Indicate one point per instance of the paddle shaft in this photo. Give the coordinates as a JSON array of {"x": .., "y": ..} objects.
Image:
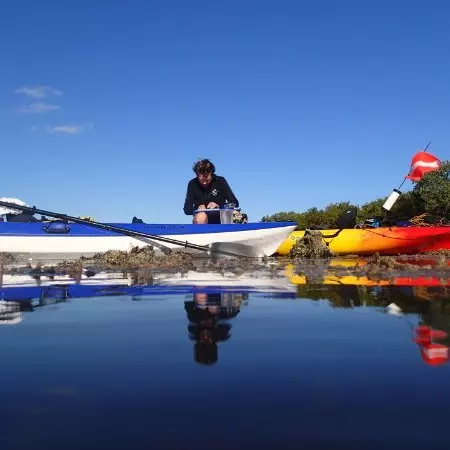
[{"x": 120, "y": 230}]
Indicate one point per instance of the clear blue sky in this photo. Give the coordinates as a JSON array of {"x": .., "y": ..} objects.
[{"x": 298, "y": 103}]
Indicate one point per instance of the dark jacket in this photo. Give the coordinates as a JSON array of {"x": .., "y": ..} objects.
[{"x": 218, "y": 192}]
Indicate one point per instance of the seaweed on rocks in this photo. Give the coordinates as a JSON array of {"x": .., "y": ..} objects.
[
  {"x": 443, "y": 253},
  {"x": 312, "y": 269},
  {"x": 74, "y": 269},
  {"x": 140, "y": 257},
  {"x": 310, "y": 246},
  {"x": 6, "y": 258},
  {"x": 141, "y": 277},
  {"x": 136, "y": 257}
]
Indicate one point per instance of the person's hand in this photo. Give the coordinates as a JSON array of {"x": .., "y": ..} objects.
[
  {"x": 202, "y": 207},
  {"x": 212, "y": 205}
]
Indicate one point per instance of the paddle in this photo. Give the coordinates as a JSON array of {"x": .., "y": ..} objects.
[{"x": 224, "y": 248}]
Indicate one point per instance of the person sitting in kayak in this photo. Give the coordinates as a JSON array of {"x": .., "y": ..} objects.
[{"x": 207, "y": 191}]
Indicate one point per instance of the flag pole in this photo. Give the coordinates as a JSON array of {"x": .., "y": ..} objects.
[{"x": 401, "y": 184}]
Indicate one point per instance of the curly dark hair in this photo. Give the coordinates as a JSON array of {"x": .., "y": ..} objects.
[{"x": 204, "y": 166}]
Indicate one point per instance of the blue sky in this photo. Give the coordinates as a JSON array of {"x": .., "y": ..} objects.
[{"x": 298, "y": 104}]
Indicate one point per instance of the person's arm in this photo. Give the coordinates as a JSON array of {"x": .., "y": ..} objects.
[
  {"x": 188, "y": 207},
  {"x": 229, "y": 195}
]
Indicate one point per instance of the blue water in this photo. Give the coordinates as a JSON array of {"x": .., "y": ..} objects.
[{"x": 233, "y": 369}]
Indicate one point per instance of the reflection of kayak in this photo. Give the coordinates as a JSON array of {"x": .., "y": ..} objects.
[
  {"x": 263, "y": 281},
  {"x": 10, "y": 313},
  {"x": 17, "y": 287},
  {"x": 385, "y": 241},
  {"x": 331, "y": 277}
]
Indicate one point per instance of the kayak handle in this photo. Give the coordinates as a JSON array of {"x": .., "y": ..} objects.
[{"x": 56, "y": 227}]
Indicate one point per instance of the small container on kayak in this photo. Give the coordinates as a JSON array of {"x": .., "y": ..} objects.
[
  {"x": 226, "y": 214},
  {"x": 389, "y": 203}
]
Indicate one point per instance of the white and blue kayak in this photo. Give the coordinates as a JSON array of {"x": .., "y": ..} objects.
[{"x": 67, "y": 240}]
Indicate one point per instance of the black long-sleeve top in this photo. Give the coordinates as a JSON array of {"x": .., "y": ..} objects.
[{"x": 218, "y": 192}]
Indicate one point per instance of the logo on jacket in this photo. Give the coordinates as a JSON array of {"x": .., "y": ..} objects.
[{"x": 214, "y": 192}]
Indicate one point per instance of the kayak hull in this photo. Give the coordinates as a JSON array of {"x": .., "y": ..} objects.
[
  {"x": 385, "y": 241},
  {"x": 56, "y": 240}
]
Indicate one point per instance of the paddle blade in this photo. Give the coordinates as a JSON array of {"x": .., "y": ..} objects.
[{"x": 234, "y": 249}]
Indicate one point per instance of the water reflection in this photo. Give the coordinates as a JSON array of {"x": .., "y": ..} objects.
[
  {"x": 428, "y": 306},
  {"x": 212, "y": 310},
  {"x": 209, "y": 316},
  {"x": 416, "y": 287},
  {"x": 10, "y": 312},
  {"x": 356, "y": 271},
  {"x": 303, "y": 367}
]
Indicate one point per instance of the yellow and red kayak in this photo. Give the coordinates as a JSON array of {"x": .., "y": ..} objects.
[{"x": 385, "y": 241}]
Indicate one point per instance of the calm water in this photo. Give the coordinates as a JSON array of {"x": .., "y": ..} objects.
[{"x": 192, "y": 367}]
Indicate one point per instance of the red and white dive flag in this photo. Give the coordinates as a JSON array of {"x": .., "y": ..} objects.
[{"x": 421, "y": 163}]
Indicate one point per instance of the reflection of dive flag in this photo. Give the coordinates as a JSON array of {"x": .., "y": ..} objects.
[
  {"x": 421, "y": 163},
  {"x": 434, "y": 354}
]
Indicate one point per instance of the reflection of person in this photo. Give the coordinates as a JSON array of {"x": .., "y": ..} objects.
[
  {"x": 208, "y": 325},
  {"x": 207, "y": 191}
]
